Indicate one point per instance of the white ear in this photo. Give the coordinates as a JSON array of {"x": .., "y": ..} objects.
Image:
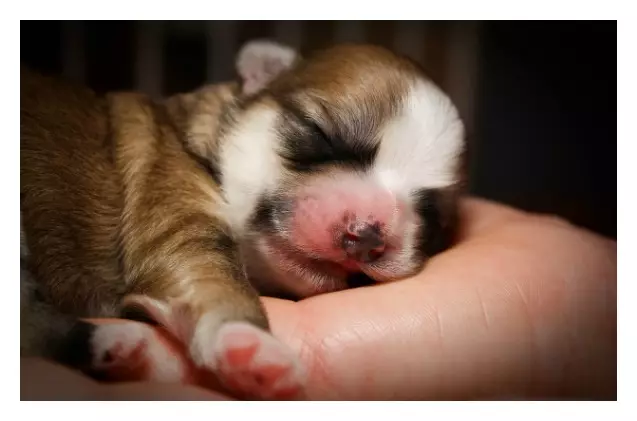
[{"x": 260, "y": 61}]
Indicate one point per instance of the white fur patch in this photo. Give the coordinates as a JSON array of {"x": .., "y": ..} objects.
[
  {"x": 249, "y": 164},
  {"x": 204, "y": 338},
  {"x": 420, "y": 147},
  {"x": 125, "y": 338}
]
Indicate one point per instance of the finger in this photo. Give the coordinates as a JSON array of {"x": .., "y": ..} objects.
[{"x": 496, "y": 316}]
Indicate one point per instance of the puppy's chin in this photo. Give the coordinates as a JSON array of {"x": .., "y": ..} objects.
[
  {"x": 277, "y": 268},
  {"x": 282, "y": 270}
]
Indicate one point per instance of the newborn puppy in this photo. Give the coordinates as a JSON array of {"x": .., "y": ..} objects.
[{"x": 304, "y": 173}]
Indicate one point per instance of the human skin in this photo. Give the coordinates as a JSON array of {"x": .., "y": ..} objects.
[{"x": 523, "y": 306}]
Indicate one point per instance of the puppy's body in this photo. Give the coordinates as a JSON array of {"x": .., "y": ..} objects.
[
  {"x": 302, "y": 174},
  {"x": 118, "y": 206}
]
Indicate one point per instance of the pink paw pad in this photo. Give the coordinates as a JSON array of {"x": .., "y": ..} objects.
[
  {"x": 120, "y": 344},
  {"x": 253, "y": 363},
  {"x": 133, "y": 351}
]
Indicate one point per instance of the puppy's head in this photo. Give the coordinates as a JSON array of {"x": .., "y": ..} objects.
[{"x": 347, "y": 161}]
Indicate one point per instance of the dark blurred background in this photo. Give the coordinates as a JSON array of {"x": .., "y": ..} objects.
[{"x": 538, "y": 98}]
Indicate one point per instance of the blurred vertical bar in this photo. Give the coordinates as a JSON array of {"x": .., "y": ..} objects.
[
  {"x": 349, "y": 31},
  {"x": 222, "y": 44},
  {"x": 462, "y": 68},
  {"x": 73, "y": 59},
  {"x": 317, "y": 34},
  {"x": 149, "y": 67},
  {"x": 289, "y": 32},
  {"x": 409, "y": 39}
]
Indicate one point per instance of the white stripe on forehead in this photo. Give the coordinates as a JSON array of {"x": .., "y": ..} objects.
[{"x": 420, "y": 147}]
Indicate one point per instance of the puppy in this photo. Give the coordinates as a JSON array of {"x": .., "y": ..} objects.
[{"x": 303, "y": 173}]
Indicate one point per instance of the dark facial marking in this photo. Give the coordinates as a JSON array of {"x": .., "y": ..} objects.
[
  {"x": 267, "y": 209},
  {"x": 308, "y": 147},
  {"x": 433, "y": 235}
]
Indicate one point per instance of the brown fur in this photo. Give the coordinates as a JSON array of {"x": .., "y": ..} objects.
[
  {"x": 197, "y": 116},
  {"x": 113, "y": 204}
]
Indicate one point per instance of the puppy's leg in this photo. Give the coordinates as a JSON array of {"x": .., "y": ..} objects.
[
  {"x": 242, "y": 354},
  {"x": 200, "y": 294}
]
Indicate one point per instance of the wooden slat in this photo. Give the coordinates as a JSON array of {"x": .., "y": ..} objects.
[
  {"x": 289, "y": 32},
  {"x": 462, "y": 68},
  {"x": 222, "y": 44},
  {"x": 409, "y": 38},
  {"x": 184, "y": 61},
  {"x": 435, "y": 49},
  {"x": 380, "y": 32},
  {"x": 110, "y": 55},
  {"x": 73, "y": 59},
  {"x": 349, "y": 31},
  {"x": 149, "y": 69},
  {"x": 254, "y": 29}
]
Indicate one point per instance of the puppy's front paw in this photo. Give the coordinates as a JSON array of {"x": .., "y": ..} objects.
[
  {"x": 134, "y": 351},
  {"x": 250, "y": 362}
]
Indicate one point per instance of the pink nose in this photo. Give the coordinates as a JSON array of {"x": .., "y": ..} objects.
[
  {"x": 363, "y": 243},
  {"x": 344, "y": 217}
]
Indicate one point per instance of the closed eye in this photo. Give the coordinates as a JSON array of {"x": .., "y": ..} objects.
[{"x": 308, "y": 146}]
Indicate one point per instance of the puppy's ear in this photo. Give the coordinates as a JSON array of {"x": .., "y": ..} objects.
[{"x": 261, "y": 61}]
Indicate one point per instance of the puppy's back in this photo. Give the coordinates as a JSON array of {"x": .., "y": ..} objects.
[{"x": 70, "y": 196}]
